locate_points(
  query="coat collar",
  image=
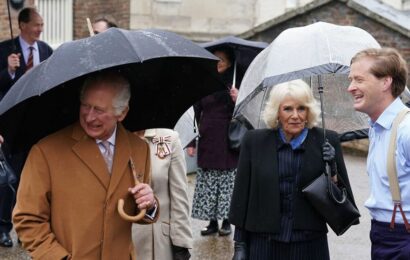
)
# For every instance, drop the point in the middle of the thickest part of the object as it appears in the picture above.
(150, 133)
(87, 151)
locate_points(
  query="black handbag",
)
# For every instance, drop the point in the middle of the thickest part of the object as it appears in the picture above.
(332, 202)
(7, 175)
(237, 129)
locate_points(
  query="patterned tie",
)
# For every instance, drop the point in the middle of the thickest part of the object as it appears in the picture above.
(29, 64)
(107, 154)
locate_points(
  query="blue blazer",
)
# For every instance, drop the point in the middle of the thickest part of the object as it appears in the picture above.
(6, 48)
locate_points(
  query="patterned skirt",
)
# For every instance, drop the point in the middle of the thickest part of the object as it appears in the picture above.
(213, 192)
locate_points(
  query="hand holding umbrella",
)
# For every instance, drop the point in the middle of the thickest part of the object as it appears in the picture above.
(233, 92)
(13, 61)
(120, 205)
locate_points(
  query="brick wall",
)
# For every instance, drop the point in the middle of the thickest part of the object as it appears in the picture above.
(119, 9)
(4, 20)
(339, 13)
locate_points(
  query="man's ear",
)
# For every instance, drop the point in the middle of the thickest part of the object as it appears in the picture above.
(387, 83)
(123, 114)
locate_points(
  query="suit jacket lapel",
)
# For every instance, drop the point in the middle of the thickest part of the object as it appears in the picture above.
(312, 158)
(269, 150)
(122, 155)
(42, 52)
(88, 152)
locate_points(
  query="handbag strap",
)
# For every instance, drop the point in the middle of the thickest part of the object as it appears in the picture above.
(392, 171)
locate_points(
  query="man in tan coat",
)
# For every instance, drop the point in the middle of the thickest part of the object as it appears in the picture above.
(67, 201)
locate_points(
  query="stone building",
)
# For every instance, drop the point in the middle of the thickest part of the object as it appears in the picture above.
(389, 26)
(196, 19)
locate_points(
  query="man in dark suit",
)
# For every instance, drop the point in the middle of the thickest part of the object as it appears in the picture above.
(20, 54)
(17, 56)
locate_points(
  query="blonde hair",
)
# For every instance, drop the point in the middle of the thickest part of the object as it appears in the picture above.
(298, 90)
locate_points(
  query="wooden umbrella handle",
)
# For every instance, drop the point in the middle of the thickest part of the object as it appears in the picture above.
(120, 205)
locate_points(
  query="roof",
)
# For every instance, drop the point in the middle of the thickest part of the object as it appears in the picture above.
(390, 17)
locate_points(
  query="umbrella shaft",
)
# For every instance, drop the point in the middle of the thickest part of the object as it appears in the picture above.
(320, 88)
(11, 27)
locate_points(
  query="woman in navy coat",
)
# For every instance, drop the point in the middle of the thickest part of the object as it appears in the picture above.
(272, 218)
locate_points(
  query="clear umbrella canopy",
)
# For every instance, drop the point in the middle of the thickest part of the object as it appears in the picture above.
(186, 127)
(320, 51)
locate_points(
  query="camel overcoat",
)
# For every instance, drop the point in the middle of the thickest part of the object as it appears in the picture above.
(169, 183)
(67, 200)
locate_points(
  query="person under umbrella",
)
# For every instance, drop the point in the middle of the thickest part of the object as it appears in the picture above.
(272, 218)
(66, 205)
(216, 161)
(170, 185)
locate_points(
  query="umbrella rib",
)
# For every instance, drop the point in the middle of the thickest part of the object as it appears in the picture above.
(132, 47)
(327, 44)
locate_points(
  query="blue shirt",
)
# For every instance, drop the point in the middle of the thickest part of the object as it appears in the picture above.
(380, 202)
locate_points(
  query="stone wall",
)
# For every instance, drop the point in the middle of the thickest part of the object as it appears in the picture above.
(4, 20)
(119, 9)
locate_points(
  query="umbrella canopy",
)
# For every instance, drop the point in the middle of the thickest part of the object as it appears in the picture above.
(244, 50)
(167, 72)
(317, 53)
(186, 127)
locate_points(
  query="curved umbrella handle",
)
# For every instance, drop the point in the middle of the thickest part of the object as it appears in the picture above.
(127, 217)
(120, 206)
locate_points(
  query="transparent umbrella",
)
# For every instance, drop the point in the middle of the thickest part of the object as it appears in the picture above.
(186, 127)
(320, 52)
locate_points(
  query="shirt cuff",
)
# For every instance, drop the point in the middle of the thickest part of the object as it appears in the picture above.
(152, 212)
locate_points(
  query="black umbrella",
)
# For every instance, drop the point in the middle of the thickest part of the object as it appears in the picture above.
(168, 74)
(244, 50)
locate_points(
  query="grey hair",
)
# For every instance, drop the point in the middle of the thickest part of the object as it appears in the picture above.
(114, 80)
(298, 90)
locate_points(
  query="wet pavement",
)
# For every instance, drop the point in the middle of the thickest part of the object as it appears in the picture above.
(354, 244)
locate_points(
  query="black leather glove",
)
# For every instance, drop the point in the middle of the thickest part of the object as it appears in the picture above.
(328, 153)
(241, 251)
(180, 253)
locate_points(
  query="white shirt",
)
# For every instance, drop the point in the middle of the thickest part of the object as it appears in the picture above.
(111, 140)
(25, 47)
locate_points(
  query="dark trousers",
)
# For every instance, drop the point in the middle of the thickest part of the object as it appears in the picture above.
(7, 201)
(261, 248)
(389, 244)
(7, 197)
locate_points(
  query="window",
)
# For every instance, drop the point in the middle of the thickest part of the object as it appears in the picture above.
(58, 20)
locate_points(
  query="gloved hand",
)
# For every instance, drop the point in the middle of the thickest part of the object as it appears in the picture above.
(180, 253)
(241, 251)
(328, 153)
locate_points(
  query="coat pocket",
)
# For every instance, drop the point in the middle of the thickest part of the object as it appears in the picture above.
(165, 227)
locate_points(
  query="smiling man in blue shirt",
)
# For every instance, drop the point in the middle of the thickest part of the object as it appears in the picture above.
(378, 77)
